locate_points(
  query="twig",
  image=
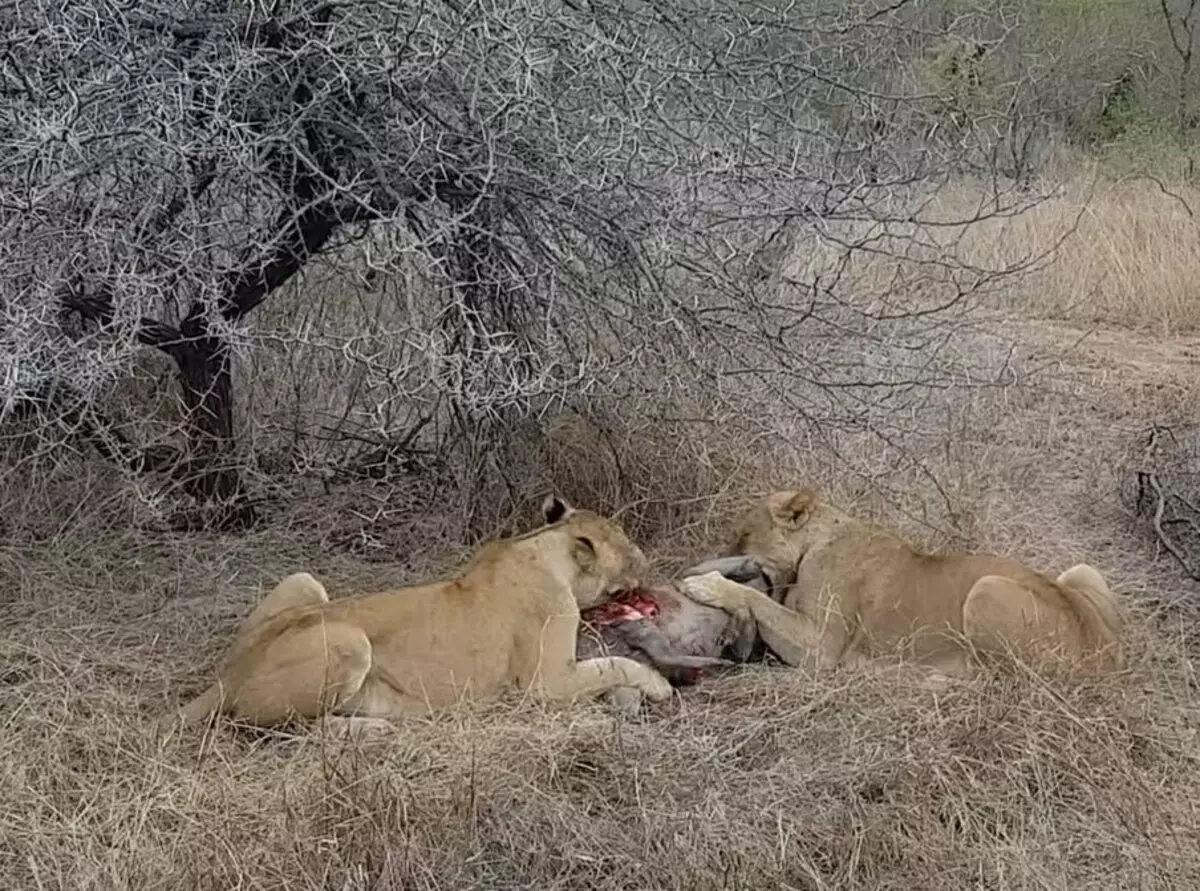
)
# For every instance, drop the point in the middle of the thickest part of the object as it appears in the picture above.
(1148, 479)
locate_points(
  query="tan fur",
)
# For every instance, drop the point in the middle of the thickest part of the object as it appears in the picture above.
(508, 621)
(851, 592)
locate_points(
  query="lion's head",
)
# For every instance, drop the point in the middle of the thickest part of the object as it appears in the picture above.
(778, 530)
(608, 562)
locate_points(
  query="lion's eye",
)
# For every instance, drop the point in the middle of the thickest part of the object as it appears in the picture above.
(587, 543)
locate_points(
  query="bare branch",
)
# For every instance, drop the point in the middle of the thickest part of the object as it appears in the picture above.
(473, 217)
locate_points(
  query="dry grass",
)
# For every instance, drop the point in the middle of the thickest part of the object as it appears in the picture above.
(770, 779)
(763, 779)
(1131, 258)
(1122, 251)
(1119, 251)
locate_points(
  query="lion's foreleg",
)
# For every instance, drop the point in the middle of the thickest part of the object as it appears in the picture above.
(355, 727)
(591, 677)
(557, 674)
(793, 637)
(744, 569)
(201, 708)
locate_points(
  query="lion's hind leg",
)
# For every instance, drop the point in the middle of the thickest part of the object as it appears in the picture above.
(1083, 575)
(297, 589)
(1002, 618)
(1100, 612)
(304, 672)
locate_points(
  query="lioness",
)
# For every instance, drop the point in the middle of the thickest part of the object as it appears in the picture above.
(509, 620)
(851, 592)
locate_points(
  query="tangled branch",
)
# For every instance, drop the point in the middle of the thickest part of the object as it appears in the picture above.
(429, 224)
(1165, 503)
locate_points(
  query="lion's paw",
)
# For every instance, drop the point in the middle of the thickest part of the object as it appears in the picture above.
(712, 589)
(657, 688)
(356, 728)
(742, 569)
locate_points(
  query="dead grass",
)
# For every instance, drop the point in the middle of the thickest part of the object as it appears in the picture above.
(763, 779)
(1131, 255)
(767, 779)
(1118, 250)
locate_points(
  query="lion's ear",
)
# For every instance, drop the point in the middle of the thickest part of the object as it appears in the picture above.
(555, 509)
(585, 552)
(792, 511)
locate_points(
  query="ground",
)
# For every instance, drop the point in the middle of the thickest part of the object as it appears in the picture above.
(761, 780)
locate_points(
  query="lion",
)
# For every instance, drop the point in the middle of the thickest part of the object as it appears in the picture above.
(509, 620)
(850, 593)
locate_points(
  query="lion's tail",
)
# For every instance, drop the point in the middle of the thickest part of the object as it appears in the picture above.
(1097, 608)
(199, 709)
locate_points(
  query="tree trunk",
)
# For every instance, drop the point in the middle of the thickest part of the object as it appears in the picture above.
(210, 471)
